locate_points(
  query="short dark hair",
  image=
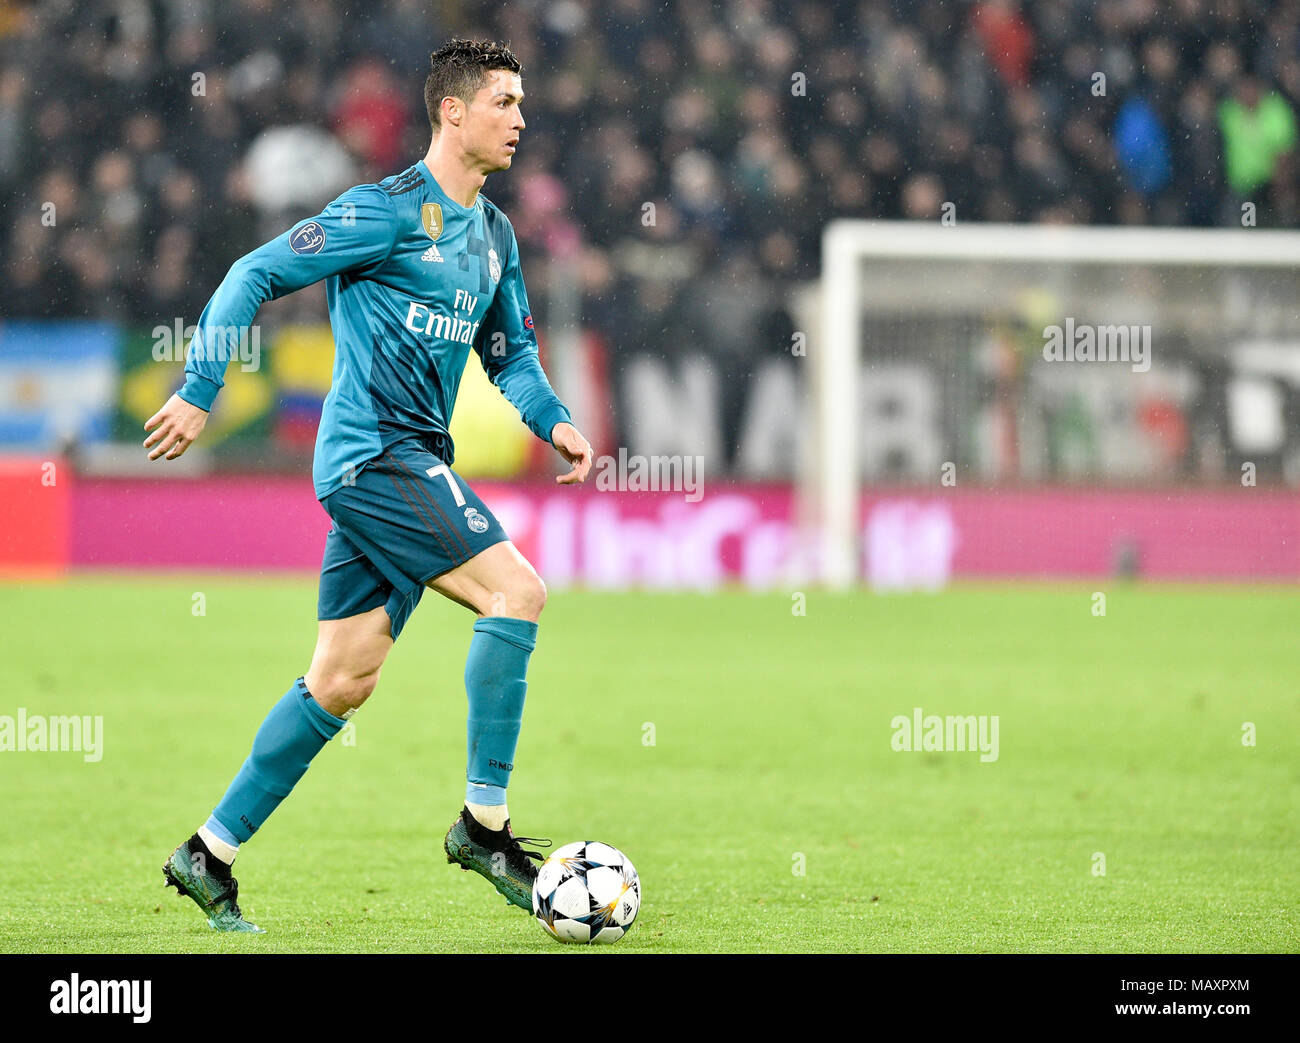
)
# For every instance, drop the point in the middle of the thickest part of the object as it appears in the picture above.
(459, 68)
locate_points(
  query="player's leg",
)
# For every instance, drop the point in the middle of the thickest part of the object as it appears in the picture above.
(344, 669)
(498, 581)
(504, 591)
(359, 613)
(500, 587)
(349, 655)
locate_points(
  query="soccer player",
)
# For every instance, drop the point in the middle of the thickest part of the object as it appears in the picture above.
(419, 268)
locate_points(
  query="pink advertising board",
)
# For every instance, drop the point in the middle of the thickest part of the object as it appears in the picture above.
(737, 534)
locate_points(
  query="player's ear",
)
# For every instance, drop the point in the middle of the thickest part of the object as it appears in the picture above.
(452, 110)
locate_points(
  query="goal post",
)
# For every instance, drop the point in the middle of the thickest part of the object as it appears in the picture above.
(922, 292)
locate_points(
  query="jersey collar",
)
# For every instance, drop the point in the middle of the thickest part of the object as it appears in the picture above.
(456, 208)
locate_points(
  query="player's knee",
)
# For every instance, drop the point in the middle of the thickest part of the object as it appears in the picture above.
(341, 691)
(360, 688)
(532, 596)
(524, 599)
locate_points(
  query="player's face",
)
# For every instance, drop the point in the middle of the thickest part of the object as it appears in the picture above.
(494, 121)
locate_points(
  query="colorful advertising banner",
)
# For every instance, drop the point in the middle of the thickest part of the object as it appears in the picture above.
(743, 534)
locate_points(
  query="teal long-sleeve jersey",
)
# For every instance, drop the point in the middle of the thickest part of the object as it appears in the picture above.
(414, 281)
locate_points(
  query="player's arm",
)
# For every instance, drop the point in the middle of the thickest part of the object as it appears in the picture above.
(507, 345)
(355, 232)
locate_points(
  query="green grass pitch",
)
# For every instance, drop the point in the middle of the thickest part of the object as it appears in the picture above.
(1119, 736)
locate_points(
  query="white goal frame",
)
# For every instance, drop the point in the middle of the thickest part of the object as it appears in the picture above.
(829, 487)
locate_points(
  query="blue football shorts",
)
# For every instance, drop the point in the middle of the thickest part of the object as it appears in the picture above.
(402, 519)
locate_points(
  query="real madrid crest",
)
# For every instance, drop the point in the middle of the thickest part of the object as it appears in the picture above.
(494, 266)
(431, 218)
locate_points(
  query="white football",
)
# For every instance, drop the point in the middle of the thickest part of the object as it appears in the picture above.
(587, 892)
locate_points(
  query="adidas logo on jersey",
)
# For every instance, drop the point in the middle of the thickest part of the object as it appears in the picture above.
(431, 254)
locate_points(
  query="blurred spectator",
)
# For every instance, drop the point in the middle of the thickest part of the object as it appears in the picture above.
(1258, 129)
(1142, 145)
(371, 117)
(1007, 38)
(293, 171)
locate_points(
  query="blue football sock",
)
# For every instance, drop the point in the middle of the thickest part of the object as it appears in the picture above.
(221, 832)
(293, 733)
(494, 682)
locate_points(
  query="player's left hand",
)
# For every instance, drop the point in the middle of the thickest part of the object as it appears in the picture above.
(568, 440)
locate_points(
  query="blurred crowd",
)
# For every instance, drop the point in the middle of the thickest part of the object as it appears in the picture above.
(680, 159)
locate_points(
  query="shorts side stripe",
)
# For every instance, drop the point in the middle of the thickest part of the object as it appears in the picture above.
(415, 509)
(435, 505)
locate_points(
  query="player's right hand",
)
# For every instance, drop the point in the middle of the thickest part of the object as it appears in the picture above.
(568, 440)
(177, 424)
